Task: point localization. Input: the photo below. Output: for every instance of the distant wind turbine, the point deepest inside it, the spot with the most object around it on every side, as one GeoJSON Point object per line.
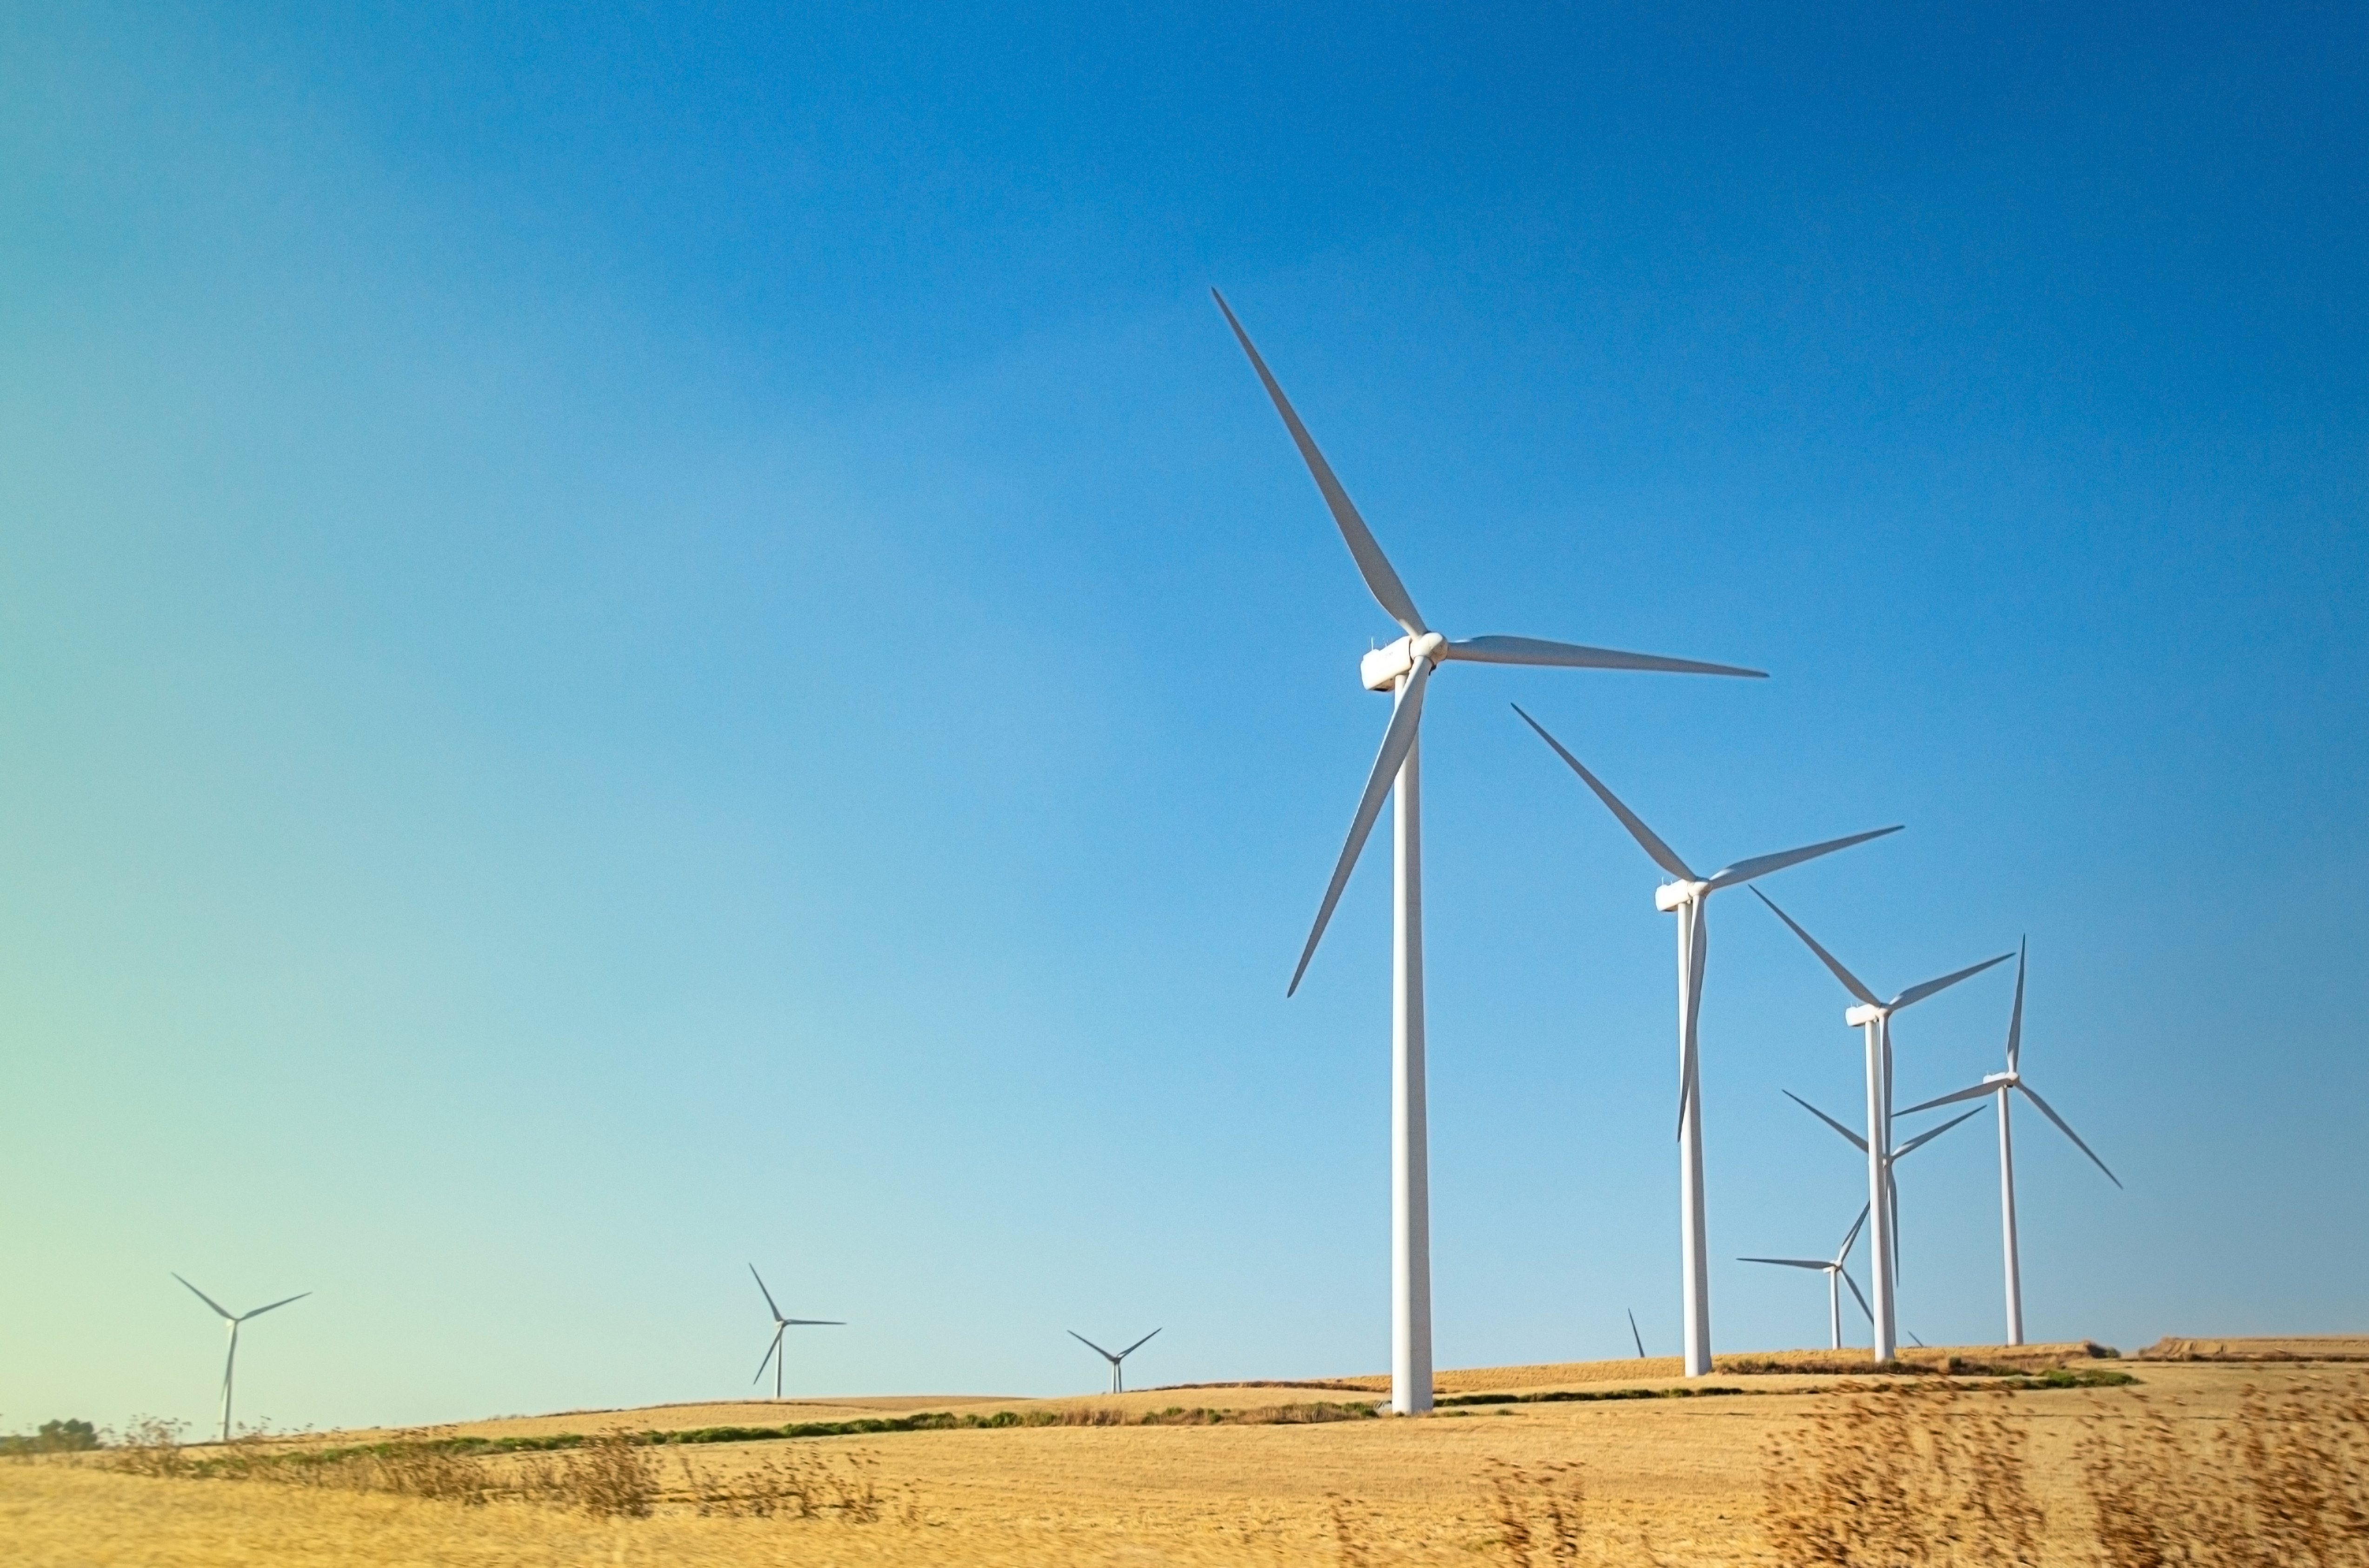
{"type": "Point", "coordinates": [1403, 669]}
{"type": "Point", "coordinates": [1837, 1274]}
{"type": "Point", "coordinates": [2005, 1085]}
{"type": "Point", "coordinates": [1118, 1387]}
{"type": "Point", "coordinates": [782, 1326]}
{"type": "Point", "coordinates": [1874, 1019]}
{"type": "Point", "coordinates": [230, 1361]}
{"type": "Point", "coordinates": [1688, 897]}
{"type": "Point", "coordinates": [1891, 1183]}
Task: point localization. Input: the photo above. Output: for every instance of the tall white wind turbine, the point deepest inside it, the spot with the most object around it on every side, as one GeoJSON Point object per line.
{"type": "Point", "coordinates": [230, 1361]}
{"type": "Point", "coordinates": [1688, 897]}
{"type": "Point", "coordinates": [1403, 669]}
{"type": "Point", "coordinates": [2004, 1086]}
{"type": "Point", "coordinates": [1873, 1018]}
{"type": "Point", "coordinates": [1837, 1274]}
{"type": "Point", "coordinates": [1118, 1383]}
{"type": "Point", "coordinates": [782, 1326]}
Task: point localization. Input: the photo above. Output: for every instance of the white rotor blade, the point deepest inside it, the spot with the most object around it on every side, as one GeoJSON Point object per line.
{"type": "Point", "coordinates": [771, 1351]}
{"type": "Point", "coordinates": [1857, 1142]}
{"type": "Point", "coordinates": [1576, 655]}
{"type": "Point", "coordinates": [769, 1295]}
{"type": "Point", "coordinates": [1851, 1236]}
{"type": "Point", "coordinates": [2062, 1125]}
{"type": "Point", "coordinates": [1850, 981]}
{"type": "Point", "coordinates": [1662, 854]}
{"type": "Point", "coordinates": [1791, 1263]}
{"type": "Point", "coordinates": [1090, 1344]}
{"type": "Point", "coordinates": [2015, 1019]}
{"type": "Point", "coordinates": [815, 1323]}
{"type": "Point", "coordinates": [1915, 994]}
{"type": "Point", "coordinates": [1372, 565]}
{"type": "Point", "coordinates": [1138, 1344]}
{"type": "Point", "coordinates": [1397, 741]}
{"type": "Point", "coordinates": [1698, 954]}
{"type": "Point", "coordinates": [275, 1306]}
{"type": "Point", "coordinates": [1929, 1134]}
{"type": "Point", "coordinates": [1977, 1091]}
{"type": "Point", "coordinates": [1855, 1295]}
{"type": "Point", "coordinates": [1761, 865]}
{"type": "Point", "coordinates": [227, 1316]}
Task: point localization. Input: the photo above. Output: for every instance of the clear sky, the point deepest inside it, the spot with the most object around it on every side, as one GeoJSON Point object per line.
{"type": "Point", "coordinates": [638, 642]}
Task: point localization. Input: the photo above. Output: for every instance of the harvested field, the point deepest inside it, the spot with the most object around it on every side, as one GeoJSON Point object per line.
{"type": "Point", "coordinates": [1677, 1480]}
{"type": "Point", "coordinates": [2300, 1347]}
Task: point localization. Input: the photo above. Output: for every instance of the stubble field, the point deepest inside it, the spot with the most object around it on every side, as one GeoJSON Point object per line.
{"type": "Point", "coordinates": [1680, 1481]}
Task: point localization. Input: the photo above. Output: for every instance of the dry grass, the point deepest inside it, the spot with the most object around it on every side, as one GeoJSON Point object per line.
{"type": "Point", "coordinates": [1870, 1475]}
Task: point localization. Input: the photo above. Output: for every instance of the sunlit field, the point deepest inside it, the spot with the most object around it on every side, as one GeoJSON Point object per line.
{"type": "Point", "coordinates": [1988, 1465]}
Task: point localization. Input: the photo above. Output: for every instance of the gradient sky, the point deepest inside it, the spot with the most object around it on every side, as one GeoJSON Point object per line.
{"type": "Point", "coordinates": [637, 643]}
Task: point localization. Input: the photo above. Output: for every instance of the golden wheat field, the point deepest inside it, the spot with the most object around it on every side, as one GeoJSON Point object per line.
{"type": "Point", "coordinates": [1761, 1475]}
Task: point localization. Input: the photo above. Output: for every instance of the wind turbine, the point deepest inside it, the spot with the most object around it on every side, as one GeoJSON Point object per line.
{"type": "Point", "coordinates": [1873, 1018]}
{"type": "Point", "coordinates": [230, 1362]}
{"type": "Point", "coordinates": [1688, 898]}
{"type": "Point", "coordinates": [2004, 1085]}
{"type": "Point", "coordinates": [1117, 1386]}
{"type": "Point", "coordinates": [1403, 669]}
{"type": "Point", "coordinates": [1835, 1272]}
{"type": "Point", "coordinates": [782, 1326]}
{"type": "Point", "coordinates": [1891, 1185]}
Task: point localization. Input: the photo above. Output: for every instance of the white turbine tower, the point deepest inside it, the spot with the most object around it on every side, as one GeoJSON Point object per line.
{"type": "Point", "coordinates": [2003, 1086]}
{"type": "Point", "coordinates": [1873, 1018]}
{"type": "Point", "coordinates": [230, 1361]}
{"type": "Point", "coordinates": [1837, 1276]}
{"type": "Point", "coordinates": [1404, 668]}
{"type": "Point", "coordinates": [1117, 1384]}
{"type": "Point", "coordinates": [775, 1351]}
{"type": "Point", "coordinates": [1688, 897]}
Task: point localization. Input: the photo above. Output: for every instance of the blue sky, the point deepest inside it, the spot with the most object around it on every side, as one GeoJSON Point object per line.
{"type": "Point", "coordinates": [643, 642]}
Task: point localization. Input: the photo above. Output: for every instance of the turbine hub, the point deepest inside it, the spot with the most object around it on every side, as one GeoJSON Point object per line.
{"type": "Point", "coordinates": [1672, 896]}
{"type": "Point", "coordinates": [1863, 1015]}
{"type": "Point", "coordinates": [1381, 669]}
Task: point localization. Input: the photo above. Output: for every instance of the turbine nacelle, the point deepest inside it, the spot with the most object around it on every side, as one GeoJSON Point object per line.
{"type": "Point", "coordinates": [1672, 896]}
{"type": "Point", "coordinates": [1385, 667]}
{"type": "Point", "coordinates": [1862, 1015]}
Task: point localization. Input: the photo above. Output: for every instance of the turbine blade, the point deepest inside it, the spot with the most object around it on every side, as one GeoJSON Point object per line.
{"type": "Point", "coordinates": [1791, 1263]}
{"type": "Point", "coordinates": [1850, 1237]}
{"type": "Point", "coordinates": [1929, 1134]}
{"type": "Point", "coordinates": [1857, 1142]}
{"type": "Point", "coordinates": [815, 1323]}
{"type": "Point", "coordinates": [1698, 955]}
{"type": "Point", "coordinates": [1662, 854]}
{"type": "Point", "coordinates": [1855, 1293]}
{"type": "Point", "coordinates": [1978, 1091]}
{"type": "Point", "coordinates": [2015, 1019]}
{"type": "Point", "coordinates": [1372, 565]}
{"type": "Point", "coordinates": [2062, 1125]}
{"type": "Point", "coordinates": [1576, 656]}
{"type": "Point", "coordinates": [771, 1351]}
{"type": "Point", "coordinates": [1139, 1344]}
{"type": "Point", "coordinates": [767, 1295]}
{"type": "Point", "coordinates": [1090, 1344]}
{"type": "Point", "coordinates": [226, 1315]}
{"type": "Point", "coordinates": [1635, 1336]}
{"type": "Point", "coordinates": [1915, 994]}
{"type": "Point", "coordinates": [1850, 981]}
{"type": "Point", "coordinates": [1397, 741]}
{"type": "Point", "coordinates": [1761, 865]}
{"type": "Point", "coordinates": [275, 1306]}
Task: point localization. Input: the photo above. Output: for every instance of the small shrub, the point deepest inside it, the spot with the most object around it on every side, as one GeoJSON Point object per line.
{"type": "Point", "coordinates": [151, 1446]}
